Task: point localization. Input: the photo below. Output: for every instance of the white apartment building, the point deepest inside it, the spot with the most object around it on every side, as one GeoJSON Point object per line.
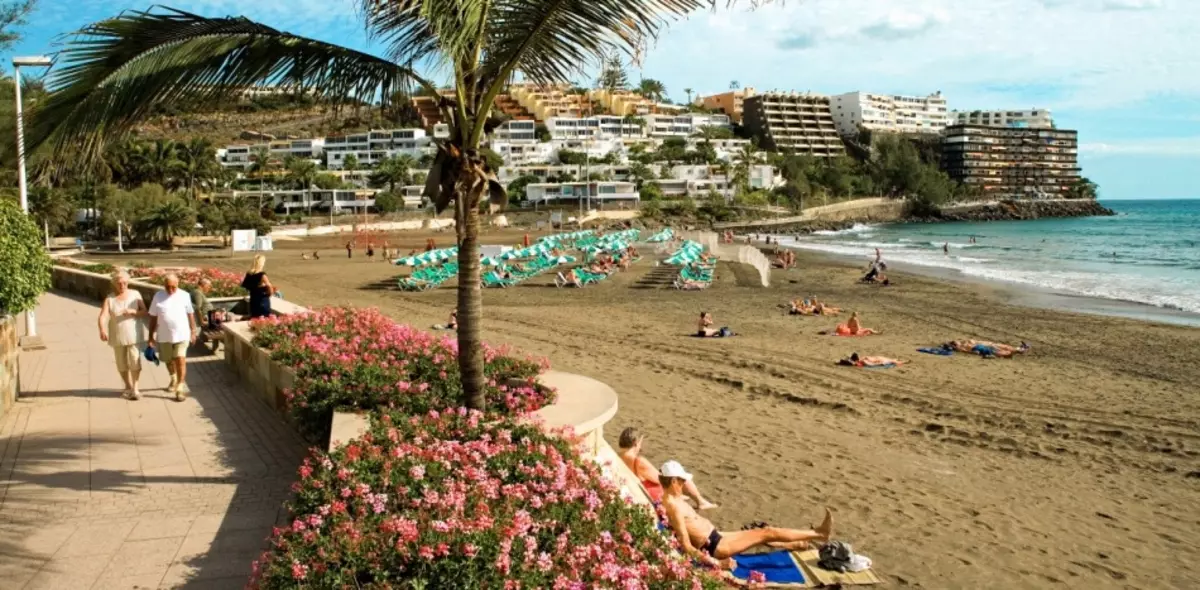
{"type": "Point", "coordinates": [516, 130]}
{"type": "Point", "coordinates": [597, 127]}
{"type": "Point", "coordinates": [242, 155]}
{"type": "Point", "coordinates": [375, 146]}
{"type": "Point", "coordinates": [684, 125]}
{"type": "Point", "coordinates": [1033, 118]}
{"type": "Point", "coordinates": [883, 112]}
{"type": "Point", "coordinates": [599, 191]}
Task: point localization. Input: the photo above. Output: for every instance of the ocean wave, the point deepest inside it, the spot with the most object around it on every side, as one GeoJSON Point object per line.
{"type": "Point", "coordinates": [1178, 293]}
{"type": "Point", "coordinates": [855, 229]}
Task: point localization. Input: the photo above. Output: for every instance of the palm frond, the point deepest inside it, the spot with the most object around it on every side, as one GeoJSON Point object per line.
{"type": "Point", "coordinates": [112, 73]}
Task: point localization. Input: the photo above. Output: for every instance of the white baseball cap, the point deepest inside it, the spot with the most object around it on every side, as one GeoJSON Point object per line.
{"type": "Point", "coordinates": [674, 469]}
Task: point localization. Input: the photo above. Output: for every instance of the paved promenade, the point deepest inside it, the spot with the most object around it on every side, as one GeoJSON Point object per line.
{"type": "Point", "coordinates": [97, 492]}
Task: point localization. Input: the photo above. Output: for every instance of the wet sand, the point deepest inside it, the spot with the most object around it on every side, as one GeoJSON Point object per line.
{"type": "Point", "coordinates": [1076, 466]}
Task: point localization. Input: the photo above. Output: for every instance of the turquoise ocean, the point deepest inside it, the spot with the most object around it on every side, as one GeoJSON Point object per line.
{"type": "Point", "coordinates": [1149, 253]}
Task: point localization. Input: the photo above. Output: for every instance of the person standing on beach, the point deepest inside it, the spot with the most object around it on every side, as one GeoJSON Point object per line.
{"type": "Point", "coordinates": [946, 249]}
{"type": "Point", "coordinates": [349, 249]}
{"type": "Point", "coordinates": [121, 327]}
{"type": "Point", "coordinates": [172, 329]}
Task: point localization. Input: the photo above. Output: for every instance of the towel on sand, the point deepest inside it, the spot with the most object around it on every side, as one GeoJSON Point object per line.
{"type": "Point", "coordinates": [777, 566]}
{"type": "Point", "coordinates": [940, 351]}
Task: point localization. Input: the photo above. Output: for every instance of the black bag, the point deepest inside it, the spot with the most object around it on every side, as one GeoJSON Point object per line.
{"type": "Point", "coordinates": [835, 556]}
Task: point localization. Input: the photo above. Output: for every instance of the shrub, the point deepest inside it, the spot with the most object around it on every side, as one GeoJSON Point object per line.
{"type": "Point", "coordinates": [24, 263]}
{"type": "Point", "coordinates": [224, 283]}
{"type": "Point", "coordinates": [359, 359]}
{"type": "Point", "coordinates": [456, 500]}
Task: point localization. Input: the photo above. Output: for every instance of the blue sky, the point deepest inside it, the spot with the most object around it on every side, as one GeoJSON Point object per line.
{"type": "Point", "coordinates": [1122, 72]}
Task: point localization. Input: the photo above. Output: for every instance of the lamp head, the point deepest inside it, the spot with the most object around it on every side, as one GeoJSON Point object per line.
{"type": "Point", "coordinates": [33, 61]}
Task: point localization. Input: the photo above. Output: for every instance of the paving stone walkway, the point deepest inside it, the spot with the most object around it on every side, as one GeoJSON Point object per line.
{"type": "Point", "coordinates": [97, 492]}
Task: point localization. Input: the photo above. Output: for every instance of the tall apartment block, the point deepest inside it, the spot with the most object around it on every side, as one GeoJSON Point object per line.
{"type": "Point", "coordinates": [886, 112]}
{"type": "Point", "coordinates": [793, 122]}
{"type": "Point", "coordinates": [1033, 118]}
{"type": "Point", "coordinates": [1012, 162]}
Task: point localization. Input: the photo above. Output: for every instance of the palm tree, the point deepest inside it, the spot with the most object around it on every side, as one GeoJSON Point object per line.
{"type": "Point", "coordinates": [302, 173]}
{"type": "Point", "coordinates": [261, 166]}
{"type": "Point", "coordinates": [652, 89]}
{"type": "Point", "coordinates": [744, 160]}
{"type": "Point", "coordinates": [393, 171]}
{"type": "Point", "coordinates": [115, 72]}
{"type": "Point", "coordinates": [196, 165]}
{"type": "Point", "coordinates": [689, 94]}
{"type": "Point", "coordinates": [734, 85]}
{"type": "Point", "coordinates": [170, 219]}
{"type": "Point", "coordinates": [156, 161]}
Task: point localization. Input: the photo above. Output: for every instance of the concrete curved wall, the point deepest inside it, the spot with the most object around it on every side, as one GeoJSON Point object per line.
{"type": "Point", "coordinates": [733, 252]}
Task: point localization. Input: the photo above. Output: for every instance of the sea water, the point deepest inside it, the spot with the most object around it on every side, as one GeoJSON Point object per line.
{"type": "Point", "coordinates": [1149, 253]}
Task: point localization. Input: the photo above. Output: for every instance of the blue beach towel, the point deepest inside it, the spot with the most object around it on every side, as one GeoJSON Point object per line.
{"type": "Point", "coordinates": [778, 566]}
{"type": "Point", "coordinates": [887, 366]}
{"type": "Point", "coordinates": [938, 351]}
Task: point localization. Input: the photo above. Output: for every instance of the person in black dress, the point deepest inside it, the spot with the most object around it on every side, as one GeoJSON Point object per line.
{"type": "Point", "coordinates": [259, 287]}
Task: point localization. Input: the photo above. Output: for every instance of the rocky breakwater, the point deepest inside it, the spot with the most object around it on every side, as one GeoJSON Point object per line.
{"type": "Point", "coordinates": [1017, 210]}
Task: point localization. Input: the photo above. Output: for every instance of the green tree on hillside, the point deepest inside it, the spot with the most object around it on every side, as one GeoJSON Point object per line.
{"type": "Point", "coordinates": [167, 221]}
{"type": "Point", "coordinates": [196, 167]}
{"type": "Point", "coordinates": [392, 172]}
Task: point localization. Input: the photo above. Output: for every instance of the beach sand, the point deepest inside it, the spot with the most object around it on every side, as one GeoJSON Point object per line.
{"type": "Point", "coordinates": [1077, 465]}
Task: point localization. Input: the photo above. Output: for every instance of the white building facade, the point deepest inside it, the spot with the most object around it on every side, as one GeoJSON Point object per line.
{"type": "Point", "coordinates": [892, 113]}
{"type": "Point", "coordinates": [1032, 118]}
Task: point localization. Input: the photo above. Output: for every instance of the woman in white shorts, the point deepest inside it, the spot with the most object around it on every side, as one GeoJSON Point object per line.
{"type": "Point", "coordinates": [121, 327]}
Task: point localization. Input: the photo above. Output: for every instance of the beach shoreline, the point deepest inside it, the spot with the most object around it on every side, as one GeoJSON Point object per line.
{"type": "Point", "coordinates": [1022, 294]}
{"type": "Point", "coordinates": [1075, 465]}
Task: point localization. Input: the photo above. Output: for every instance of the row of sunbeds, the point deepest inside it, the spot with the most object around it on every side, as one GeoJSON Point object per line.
{"type": "Point", "coordinates": [495, 278]}
{"type": "Point", "coordinates": [429, 277]}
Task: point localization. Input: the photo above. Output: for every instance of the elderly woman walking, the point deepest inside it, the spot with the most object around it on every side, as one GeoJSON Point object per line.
{"type": "Point", "coordinates": [121, 327]}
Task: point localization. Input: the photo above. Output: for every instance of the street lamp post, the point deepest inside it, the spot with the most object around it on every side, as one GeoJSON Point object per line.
{"type": "Point", "coordinates": [31, 338]}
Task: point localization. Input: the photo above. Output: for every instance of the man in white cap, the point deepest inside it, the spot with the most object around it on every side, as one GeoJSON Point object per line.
{"type": "Point", "coordinates": [701, 540]}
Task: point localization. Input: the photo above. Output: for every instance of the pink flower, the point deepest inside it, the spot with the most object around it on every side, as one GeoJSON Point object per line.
{"type": "Point", "coordinates": [417, 472]}
{"type": "Point", "coordinates": [299, 570]}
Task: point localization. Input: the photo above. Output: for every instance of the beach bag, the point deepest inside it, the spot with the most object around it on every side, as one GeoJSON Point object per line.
{"type": "Point", "coordinates": [835, 556]}
{"type": "Point", "coordinates": [725, 332]}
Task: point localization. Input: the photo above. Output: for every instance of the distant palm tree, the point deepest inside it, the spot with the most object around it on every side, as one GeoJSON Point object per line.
{"type": "Point", "coordinates": [302, 173]}
{"type": "Point", "coordinates": [734, 85]}
{"type": "Point", "coordinates": [261, 165]}
{"type": "Point", "coordinates": [652, 89]}
{"type": "Point", "coordinates": [196, 166]}
{"type": "Point", "coordinates": [170, 219]}
{"type": "Point", "coordinates": [157, 162]}
{"type": "Point", "coordinates": [121, 69]}
{"type": "Point", "coordinates": [689, 94]}
{"type": "Point", "coordinates": [393, 171]}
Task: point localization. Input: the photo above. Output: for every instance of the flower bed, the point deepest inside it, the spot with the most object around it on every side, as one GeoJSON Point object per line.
{"type": "Point", "coordinates": [102, 268]}
{"type": "Point", "coordinates": [224, 283]}
{"type": "Point", "coordinates": [459, 500]}
{"type": "Point", "coordinates": [359, 359]}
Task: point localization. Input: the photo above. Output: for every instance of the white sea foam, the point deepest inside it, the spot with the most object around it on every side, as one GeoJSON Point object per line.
{"type": "Point", "coordinates": [1170, 293]}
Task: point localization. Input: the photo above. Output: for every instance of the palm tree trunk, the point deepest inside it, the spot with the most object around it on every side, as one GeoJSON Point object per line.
{"type": "Point", "coordinates": [470, 300]}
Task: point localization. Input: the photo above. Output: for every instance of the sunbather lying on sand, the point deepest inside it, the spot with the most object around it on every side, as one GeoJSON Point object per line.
{"type": "Point", "coordinates": [567, 279]}
{"type": "Point", "coordinates": [700, 539]}
{"type": "Point", "coordinates": [853, 328]}
{"type": "Point", "coordinates": [987, 349]}
{"type": "Point", "coordinates": [630, 452]}
{"type": "Point", "coordinates": [870, 361]}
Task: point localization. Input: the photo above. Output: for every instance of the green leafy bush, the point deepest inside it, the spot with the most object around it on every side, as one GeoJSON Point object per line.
{"type": "Point", "coordinates": [24, 262]}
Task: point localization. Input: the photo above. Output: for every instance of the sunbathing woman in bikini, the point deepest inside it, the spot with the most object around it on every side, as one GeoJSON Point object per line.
{"type": "Point", "coordinates": [853, 328]}
{"type": "Point", "coordinates": [819, 308]}
{"type": "Point", "coordinates": [705, 329]}
{"type": "Point", "coordinates": [700, 539]}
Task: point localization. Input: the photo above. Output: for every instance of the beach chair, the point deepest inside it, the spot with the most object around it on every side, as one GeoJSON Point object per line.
{"type": "Point", "coordinates": [493, 279]}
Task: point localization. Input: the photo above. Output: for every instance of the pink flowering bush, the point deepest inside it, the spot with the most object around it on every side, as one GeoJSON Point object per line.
{"type": "Point", "coordinates": [461, 500]}
{"type": "Point", "coordinates": [359, 359]}
{"type": "Point", "coordinates": [224, 283]}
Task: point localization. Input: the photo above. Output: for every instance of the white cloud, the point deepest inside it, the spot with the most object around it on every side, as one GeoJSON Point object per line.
{"type": "Point", "coordinates": [1064, 55]}
{"type": "Point", "coordinates": [1133, 4]}
{"type": "Point", "coordinates": [1169, 146]}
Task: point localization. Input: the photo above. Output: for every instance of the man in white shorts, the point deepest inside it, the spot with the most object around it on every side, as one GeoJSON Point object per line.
{"type": "Point", "coordinates": [172, 330]}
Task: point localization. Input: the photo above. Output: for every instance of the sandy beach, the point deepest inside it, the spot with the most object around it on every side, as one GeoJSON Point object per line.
{"type": "Point", "coordinates": [1077, 465]}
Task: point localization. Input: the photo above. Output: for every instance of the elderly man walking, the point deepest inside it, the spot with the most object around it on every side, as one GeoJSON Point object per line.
{"type": "Point", "coordinates": [172, 329]}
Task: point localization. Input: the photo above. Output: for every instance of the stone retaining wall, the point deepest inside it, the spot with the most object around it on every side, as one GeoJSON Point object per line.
{"type": "Point", "coordinates": [97, 287]}
{"type": "Point", "coordinates": [10, 381]}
